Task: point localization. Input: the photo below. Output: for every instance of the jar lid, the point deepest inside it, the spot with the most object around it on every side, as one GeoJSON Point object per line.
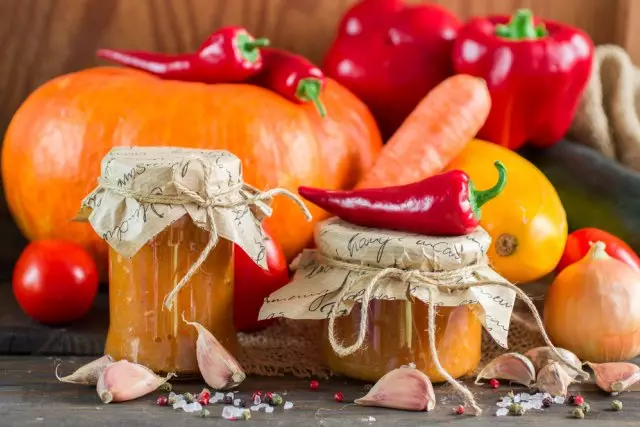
{"type": "Point", "coordinates": [386, 248]}
{"type": "Point", "coordinates": [142, 190]}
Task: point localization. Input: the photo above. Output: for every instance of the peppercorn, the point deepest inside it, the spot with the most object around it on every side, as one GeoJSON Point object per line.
{"type": "Point", "coordinates": [189, 397]}
{"type": "Point", "coordinates": [203, 413]}
{"type": "Point", "coordinates": [578, 400]}
{"type": "Point", "coordinates": [616, 405]}
{"type": "Point", "coordinates": [205, 393]}
{"type": "Point", "coordinates": [314, 384]}
{"type": "Point", "coordinates": [547, 402]}
{"type": "Point", "coordinates": [162, 401]}
{"type": "Point", "coordinates": [228, 400]}
{"type": "Point", "coordinates": [459, 410]}
{"type": "Point", "coordinates": [570, 399]}
{"type": "Point", "coordinates": [577, 413]}
{"type": "Point", "coordinates": [165, 387]}
{"type": "Point", "coordinates": [256, 393]}
{"type": "Point", "coordinates": [494, 383]}
{"type": "Point", "coordinates": [586, 408]}
{"type": "Point", "coordinates": [516, 409]}
{"type": "Point", "coordinates": [275, 400]}
{"type": "Point", "coordinates": [204, 401]}
{"type": "Point", "coordinates": [242, 403]}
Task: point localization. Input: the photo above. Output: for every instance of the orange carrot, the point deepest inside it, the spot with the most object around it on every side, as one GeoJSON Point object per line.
{"type": "Point", "coordinates": [434, 133]}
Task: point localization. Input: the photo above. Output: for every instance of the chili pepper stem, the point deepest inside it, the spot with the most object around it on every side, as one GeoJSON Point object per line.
{"type": "Point", "coordinates": [248, 46]}
{"type": "Point", "coordinates": [479, 197]}
{"type": "Point", "coordinates": [521, 27]}
{"type": "Point", "coordinates": [308, 90]}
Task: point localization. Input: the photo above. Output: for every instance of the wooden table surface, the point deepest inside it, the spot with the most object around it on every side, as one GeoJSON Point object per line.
{"type": "Point", "coordinates": [30, 395]}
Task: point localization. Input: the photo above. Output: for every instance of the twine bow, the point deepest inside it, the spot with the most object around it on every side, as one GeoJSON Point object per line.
{"type": "Point", "coordinates": [209, 201]}
{"type": "Point", "coordinates": [434, 282]}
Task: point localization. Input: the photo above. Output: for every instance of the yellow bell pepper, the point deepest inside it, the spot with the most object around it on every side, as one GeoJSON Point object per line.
{"type": "Point", "coordinates": [527, 222]}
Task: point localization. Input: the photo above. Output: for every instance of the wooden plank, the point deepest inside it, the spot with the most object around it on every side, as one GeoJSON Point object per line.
{"type": "Point", "coordinates": [30, 395]}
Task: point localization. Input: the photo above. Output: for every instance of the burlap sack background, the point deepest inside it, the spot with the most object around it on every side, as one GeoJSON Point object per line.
{"type": "Point", "coordinates": [607, 118]}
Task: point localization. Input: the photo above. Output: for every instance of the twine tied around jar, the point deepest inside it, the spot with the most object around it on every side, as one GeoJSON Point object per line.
{"type": "Point", "coordinates": [434, 282]}
{"type": "Point", "coordinates": [208, 201]}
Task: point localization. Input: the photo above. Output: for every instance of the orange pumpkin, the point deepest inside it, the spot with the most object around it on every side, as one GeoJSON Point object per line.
{"type": "Point", "coordinates": [57, 138]}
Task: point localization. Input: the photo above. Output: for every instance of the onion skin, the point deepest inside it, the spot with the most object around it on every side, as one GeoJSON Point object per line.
{"type": "Point", "coordinates": [593, 308]}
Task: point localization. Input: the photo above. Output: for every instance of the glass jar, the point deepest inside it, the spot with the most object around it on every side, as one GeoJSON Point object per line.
{"type": "Point", "coordinates": [140, 330]}
{"type": "Point", "coordinates": [397, 334]}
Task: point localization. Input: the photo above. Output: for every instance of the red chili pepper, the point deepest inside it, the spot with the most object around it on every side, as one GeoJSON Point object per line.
{"type": "Point", "coordinates": [228, 55]}
{"type": "Point", "coordinates": [535, 70]}
{"type": "Point", "coordinates": [293, 77]}
{"type": "Point", "coordinates": [391, 54]}
{"type": "Point", "coordinates": [443, 205]}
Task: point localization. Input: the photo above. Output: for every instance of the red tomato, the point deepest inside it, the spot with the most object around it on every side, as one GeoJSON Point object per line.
{"type": "Point", "coordinates": [253, 284]}
{"type": "Point", "coordinates": [579, 242]}
{"type": "Point", "coordinates": [55, 281]}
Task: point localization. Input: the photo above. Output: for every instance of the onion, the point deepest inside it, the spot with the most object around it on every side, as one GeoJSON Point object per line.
{"type": "Point", "coordinates": [593, 308]}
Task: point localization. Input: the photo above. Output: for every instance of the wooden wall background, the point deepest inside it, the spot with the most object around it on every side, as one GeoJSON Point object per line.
{"type": "Point", "coordinates": [40, 39]}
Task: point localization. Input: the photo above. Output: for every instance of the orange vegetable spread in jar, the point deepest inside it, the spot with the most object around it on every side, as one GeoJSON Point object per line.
{"type": "Point", "coordinates": [397, 335]}
{"type": "Point", "coordinates": [417, 291]}
{"type": "Point", "coordinates": [140, 330]}
{"type": "Point", "coordinates": [172, 217]}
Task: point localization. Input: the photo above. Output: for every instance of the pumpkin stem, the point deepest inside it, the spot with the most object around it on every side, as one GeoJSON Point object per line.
{"type": "Point", "coordinates": [598, 251]}
{"type": "Point", "coordinates": [308, 90]}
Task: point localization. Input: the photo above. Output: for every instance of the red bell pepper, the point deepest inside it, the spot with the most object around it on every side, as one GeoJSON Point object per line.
{"type": "Point", "coordinates": [579, 243]}
{"type": "Point", "coordinates": [391, 55]}
{"type": "Point", "coordinates": [535, 70]}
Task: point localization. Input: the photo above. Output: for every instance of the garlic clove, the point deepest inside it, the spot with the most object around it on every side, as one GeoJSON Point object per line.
{"type": "Point", "coordinates": [122, 381]}
{"type": "Point", "coordinates": [513, 367]}
{"type": "Point", "coordinates": [218, 367]}
{"type": "Point", "coordinates": [616, 376]}
{"type": "Point", "coordinates": [87, 374]}
{"type": "Point", "coordinates": [403, 388]}
{"type": "Point", "coordinates": [542, 356]}
{"type": "Point", "coordinates": [554, 379]}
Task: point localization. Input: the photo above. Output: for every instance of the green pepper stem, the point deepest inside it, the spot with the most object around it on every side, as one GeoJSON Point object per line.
{"type": "Point", "coordinates": [521, 27]}
{"type": "Point", "coordinates": [248, 46]}
{"type": "Point", "coordinates": [252, 44]}
{"type": "Point", "coordinates": [479, 198]}
{"type": "Point", "coordinates": [308, 90]}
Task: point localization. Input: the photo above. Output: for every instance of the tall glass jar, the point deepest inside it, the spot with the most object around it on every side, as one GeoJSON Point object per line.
{"type": "Point", "coordinates": [140, 330]}
{"type": "Point", "coordinates": [172, 217]}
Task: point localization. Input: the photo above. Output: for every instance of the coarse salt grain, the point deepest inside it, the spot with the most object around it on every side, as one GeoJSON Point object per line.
{"type": "Point", "coordinates": [218, 396]}
{"type": "Point", "coordinates": [288, 405]}
{"type": "Point", "coordinates": [192, 407]}
{"type": "Point", "coordinates": [236, 402]}
{"type": "Point", "coordinates": [502, 412]}
{"type": "Point", "coordinates": [559, 400]}
{"type": "Point", "coordinates": [231, 412]}
{"type": "Point", "coordinates": [268, 409]}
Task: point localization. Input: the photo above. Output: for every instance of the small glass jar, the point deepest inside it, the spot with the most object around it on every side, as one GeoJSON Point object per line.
{"type": "Point", "coordinates": [140, 330]}
{"type": "Point", "coordinates": [397, 334]}
{"type": "Point", "coordinates": [400, 277]}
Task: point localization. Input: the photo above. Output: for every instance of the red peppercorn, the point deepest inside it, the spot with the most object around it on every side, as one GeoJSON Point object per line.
{"type": "Point", "coordinates": [338, 397]}
{"type": "Point", "coordinates": [269, 395]}
{"type": "Point", "coordinates": [314, 385]}
{"type": "Point", "coordinates": [256, 393]}
{"type": "Point", "coordinates": [203, 400]}
{"type": "Point", "coordinates": [494, 383]}
{"type": "Point", "coordinates": [162, 401]}
{"type": "Point", "coordinates": [578, 400]}
{"type": "Point", "coordinates": [459, 410]}
{"type": "Point", "coordinates": [205, 393]}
